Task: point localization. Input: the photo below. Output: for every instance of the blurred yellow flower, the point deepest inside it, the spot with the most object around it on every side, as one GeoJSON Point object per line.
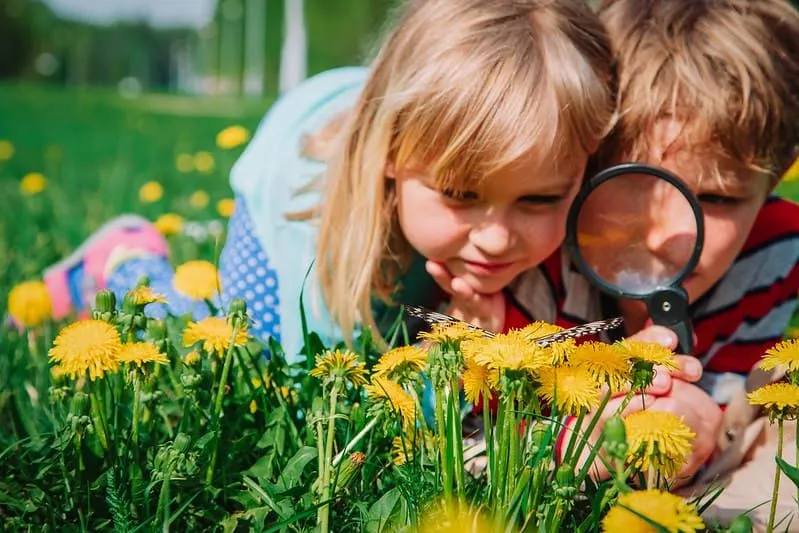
{"type": "Point", "coordinates": [199, 199]}
{"type": "Point", "coordinates": [150, 192]}
{"type": "Point", "coordinates": [339, 364]}
{"type": "Point", "coordinates": [32, 183]}
{"type": "Point", "coordinates": [215, 334]}
{"type": "Point", "coordinates": [87, 346]}
{"type": "Point", "coordinates": [144, 295]}
{"type": "Point", "coordinates": [169, 224]}
{"type": "Point", "coordinates": [785, 353]}
{"type": "Point", "coordinates": [184, 163]}
{"type": "Point", "coordinates": [669, 511]}
{"type": "Point", "coordinates": [29, 304]}
{"type": "Point", "coordinates": [141, 353]}
{"type": "Point", "coordinates": [191, 358]}
{"type": "Point", "coordinates": [792, 174]}
{"type": "Point", "coordinates": [658, 439]}
{"type": "Point", "coordinates": [572, 388]}
{"type": "Point", "coordinates": [253, 406]}
{"type": "Point", "coordinates": [204, 162]}
{"type": "Point", "coordinates": [457, 517]}
{"type": "Point", "coordinates": [6, 150]}
{"type": "Point", "coordinates": [196, 279]}
{"type": "Point", "coordinates": [781, 400]}
{"type": "Point", "coordinates": [793, 333]}
{"type": "Point", "coordinates": [232, 136]}
{"type": "Point", "coordinates": [226, 207]}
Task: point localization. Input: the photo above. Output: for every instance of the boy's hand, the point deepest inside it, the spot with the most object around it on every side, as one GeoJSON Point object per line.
{"type": "Point", "coordinates": [483, 310]}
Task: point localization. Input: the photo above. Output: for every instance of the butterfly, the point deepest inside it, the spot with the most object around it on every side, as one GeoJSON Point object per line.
{"type": "Point", "coordinates": [591, 328]}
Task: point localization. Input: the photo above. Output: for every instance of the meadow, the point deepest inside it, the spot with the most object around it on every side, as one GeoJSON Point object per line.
{"type": "Point", "coordinates": [127, 423]}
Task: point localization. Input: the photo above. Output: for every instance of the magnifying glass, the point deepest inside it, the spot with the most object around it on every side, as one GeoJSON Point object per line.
{"type": "Point", "coordinates": [636, 231]}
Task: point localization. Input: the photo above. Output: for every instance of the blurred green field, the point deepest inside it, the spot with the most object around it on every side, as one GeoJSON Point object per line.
{"type": "Point", "coordinates": [95, 149]}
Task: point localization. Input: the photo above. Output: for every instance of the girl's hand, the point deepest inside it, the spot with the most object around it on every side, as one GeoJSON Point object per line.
{"type": "Point", "coordinates": [483, 310]}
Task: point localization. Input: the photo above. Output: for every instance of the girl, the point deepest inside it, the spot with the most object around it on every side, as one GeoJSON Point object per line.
{"type": "Point", "coordinates": [448, 166]}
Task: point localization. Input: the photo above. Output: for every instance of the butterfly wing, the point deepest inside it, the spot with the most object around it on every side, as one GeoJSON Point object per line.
{"type": "Point", "coordinates": [591, 328]}
{"type": "Point", "coordinates": [434, 317]}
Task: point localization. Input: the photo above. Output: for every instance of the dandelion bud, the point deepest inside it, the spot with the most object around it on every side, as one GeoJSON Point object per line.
{"type": "Point", "coordinates": [79, 403]}
{"type": "Point", "coordinates": [129, 305]}
{"type": "Point", "coordinates": [741, 524]}
{"type": "Point", "coordinates": [190, 381]}
{"type": "Point", "coordinates": [616, 437]}
{"type": "Point", "coordinates": [564, 481]}
{"type": "Point", "coordinates": [105, 302]}
{"type": "Point", "coordinates": [238, 307]}
{"type": "Point", "coordinates": [540, 439]}
{"type": "Point", "coordinates": [182, 442]}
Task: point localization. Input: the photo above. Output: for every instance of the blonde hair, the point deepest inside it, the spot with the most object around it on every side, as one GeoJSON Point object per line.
{"type": "Point", "coordinates": [727, 70]}
{"type": "Point", "coordinates": [464, 87]}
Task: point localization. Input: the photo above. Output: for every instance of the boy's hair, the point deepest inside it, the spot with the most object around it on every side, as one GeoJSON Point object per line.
{"type": "Point", "coordinates": [727, 70]}
{"type": "Point", "coordinates": [461, 88]}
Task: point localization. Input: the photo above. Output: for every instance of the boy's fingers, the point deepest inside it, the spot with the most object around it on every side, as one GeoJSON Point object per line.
{"type": "Point", "coordinates": [657, 334]}
{"type": "Point", "coordinates": [690, 368]}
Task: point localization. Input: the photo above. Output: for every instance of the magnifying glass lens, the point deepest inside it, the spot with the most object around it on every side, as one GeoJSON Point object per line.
{"type": "Point", "coordinates": [637, 232]}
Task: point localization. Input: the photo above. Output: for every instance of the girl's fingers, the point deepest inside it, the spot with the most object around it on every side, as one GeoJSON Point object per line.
{"type": "Point", "coordinates": [440, 275]}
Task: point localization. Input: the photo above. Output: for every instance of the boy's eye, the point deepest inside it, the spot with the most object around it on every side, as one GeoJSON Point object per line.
{"type": "Point", "coordinates": [541, 199]}
{"type": "Point", "coordinates": [718, 199]}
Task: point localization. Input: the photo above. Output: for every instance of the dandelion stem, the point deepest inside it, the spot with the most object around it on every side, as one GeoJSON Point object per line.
{"type": "Point", "coordinates": [776, 490]}
{"type": "Point", "coordinates": [99, 419]}
{"type": "Point", "coordinates": [324, 511]}
{"type": "Point", "coordinates": [457, 436]}
{"type": "Point", "coordinates": [446, 470]}
{"type": "Point", "coordinates": [136, 406]}
{"type": "Point", "coordinates": [355, 440]}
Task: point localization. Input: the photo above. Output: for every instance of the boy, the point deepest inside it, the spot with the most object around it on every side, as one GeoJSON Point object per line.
{"type": "Point", "coordinates": [709, 89]}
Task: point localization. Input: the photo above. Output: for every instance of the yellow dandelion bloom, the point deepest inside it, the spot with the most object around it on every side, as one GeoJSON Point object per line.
{"type": "Point", "coordinates": [606, 362]}
{"type": "Point", "coordinates": [668, 510]}
{"type": "Point", "coordinates": [144, 295]}
{"type": "Point", "coordinates": [392, 394]}
{"type": "Point", "coordinates": [32, 183]}
{"type": "Point", "coordinates": [199, 199]}
{"type": "Point", "coordinates": [141, 353]}
{"type": "Point", "coordinates": [649, 352]}
{"type": "Point", "coordinates": [204, 162]}
{"type": "Point", "coordinates": [191, 358]}
{"type": "Point", "coordinates": [87, 346]}
{"type": "Point", "coordinates": [401, 359]}
{"type": "Point", "coordinates": [785, 353]}
{"type": "Point", "coordinates": [226, 207]}
{"type": "Point", "coordinates": [6, 150]}
{"type": "Point", "coordinates": [478, 380]}
{"type": "Point", "coordinates": [780, 399]}
{"type": "Point", "coordinates": [169, 224]}
{"type": "Point", "coordinates": [253, 406]}
{"type": "Point", "coordinates": [456, 517]}
{"type": "Point", "coordinates": [150, 192]}
{"type": "Point", "coordinates": [184, 163]}
{"type": "Point", "coordinates": [450, 333]}
{"type": "Point", "coordinates": [215, 334]}
{"type": "Point", "coordinates": [401, 453]}
{"type": "Point", "coordinates": [196, 279]}
{"type": "Point", "coordinates": [232, 136]}
{"type": "Point", "coordinates": [792, 174]}
{"type": "Point", "coordinates": [658, 439]}
{"type": "Point", "coordinates": [29, 304]}
{"type": "Point", "coordinates": [793, 333]}
{"type": "Point", "coordinates": [573, 388]}
{"type": "Point", "coordinates": [340, 364]}
{"type": "Point", "coordinates": [560, 350]}
{"type": "Point", "coordinates": [506, 351]}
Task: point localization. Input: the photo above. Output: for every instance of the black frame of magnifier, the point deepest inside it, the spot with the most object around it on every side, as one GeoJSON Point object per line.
{"type": "Point", "coordinates": [610, 173]}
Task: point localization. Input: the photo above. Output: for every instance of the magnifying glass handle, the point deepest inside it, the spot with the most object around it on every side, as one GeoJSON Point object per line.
{"type": "Point", "coordinates": [668, 307]}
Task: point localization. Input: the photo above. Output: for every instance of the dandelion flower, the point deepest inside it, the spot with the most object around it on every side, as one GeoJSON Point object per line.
{"type": "Point", "coordinates": [785, 353]}
{"type": "Point", "coordinates": [606, 362]}
{"type": "Point", "coordinates": [506, 351]}
{"type": "Point", "coordinates": [150, 192]}
{"type": "Point", "coordinates": [141, 353]}
{"type": "Point", "coordinates": [401, 359]}
{"type": "Point", "coordinates": [451, 333]}
{"type": "Point", "coordinates": [401, 453]}
{"type": "Point", "coordinates": [792, 174]}
{"type": "Point", "coordinates": [29, 304]}
{"type": "Point", "coordinates": [392, 393]}
{"type": "Point", "coordinates": [456, 517]}
{"type": "Point", "coordinates": [226, 207]}
{"type": "Point", "coordinates": [658, 439]}
{"type": "Point", "coordinates": [478, 381]}
{"type": "Point", "coordinates": [199, 199]}
{"type": "Point", "coordinates": [191, 358]}
{"type": "Point", "coordinates": [144, 295]}
{"type": "Point", "coordinates": [232, 136]}
{"type": "Point", "coordinates": [215, 334]}
{"type": "Point", "coordinates": [169, 224]}
{"type": "Point", "coordinates": [781, 400]}
{"type": "Point", "coordinates": [339, 364]}
{"type": "Point", "coordinates": [32, 183]}
{"type": "Point", "coordinates": [87, 346]}
{"type": "Point", "coordinates": [184, 163]}
{"type": "Point", "coordinates": [204, 162]}
{"type": "Point", "coordinates": [253, 406]}
{"type": "Point", "coordinates": [573, 388]}
{"type": "Point", "coordinates": [668, 510]}
{"type": "Point", "coordinates": [196, 279]}
{"type": "Point", "coordinates": [6, 150]}
{"type": "Point", "coordinates": [649, 352]}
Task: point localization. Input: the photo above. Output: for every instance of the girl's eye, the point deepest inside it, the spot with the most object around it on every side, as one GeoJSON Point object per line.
{"type": "Point", "coordinates": [717, 199]}
{"type": "Point", "coordinates": [460, 196]}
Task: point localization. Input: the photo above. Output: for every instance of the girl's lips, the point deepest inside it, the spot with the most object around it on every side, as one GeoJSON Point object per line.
{"type": "Point", "coordinates": [485, 269]}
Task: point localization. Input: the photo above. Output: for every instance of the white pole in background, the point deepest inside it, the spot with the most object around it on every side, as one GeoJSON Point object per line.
{"type": "Point", "coordinates": [293, 55]}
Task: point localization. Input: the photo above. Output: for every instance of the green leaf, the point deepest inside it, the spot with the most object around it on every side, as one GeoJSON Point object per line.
{"type": "Point", "coordinates": [382, 510]}
{"type": "Point", "coordinates": [290, 476]}
{"type": "Point", "coordinates": [791, 471]}
{"type": "Point", "coordinates": [263, 468]}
